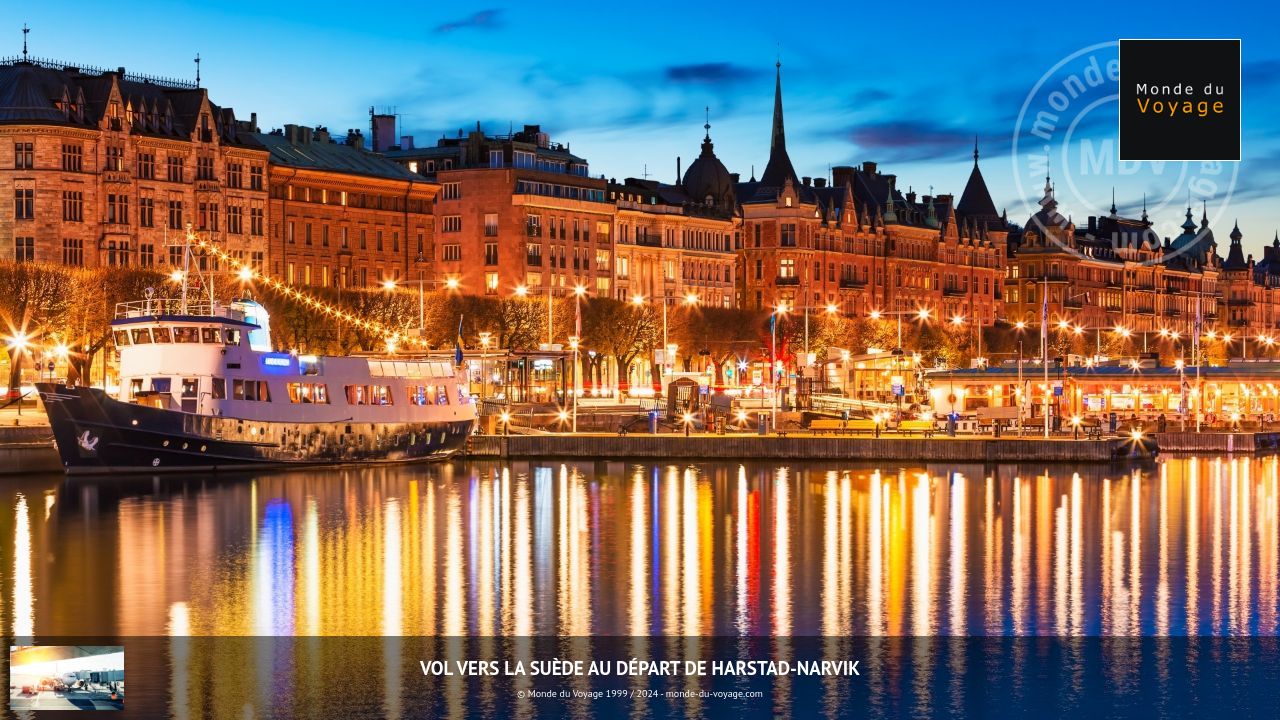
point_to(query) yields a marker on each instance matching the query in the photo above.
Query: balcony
(953, 292)
(649, 241)
(851, 283)
(1172, 312)
(1239, 302)
(1144, 311)
(534, 261)
(208, 186)
(116, 176)
(788, 280)
(533, 230)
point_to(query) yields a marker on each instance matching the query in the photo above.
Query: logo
(88, 442)
(1180, 100)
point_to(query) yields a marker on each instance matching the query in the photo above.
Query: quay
(795, 446)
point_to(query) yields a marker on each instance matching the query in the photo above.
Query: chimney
(841, 175)
(868, 167)
(120, 71)
(678, 175)
(355, 138)
(253, 121)
(384, 131)
(291, 132)
(406, 142)
(735, 177)
(819, 182)
(806, 180)
(1093, 225)
(321, 134)
(911, 196)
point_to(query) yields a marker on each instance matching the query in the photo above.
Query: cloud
(869, 96)
(710, 73)
(490, 19)
(907, 140)
(1261, 73)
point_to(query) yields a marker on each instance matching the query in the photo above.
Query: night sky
(626, 85)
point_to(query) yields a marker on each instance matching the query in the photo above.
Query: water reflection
(1187, 546)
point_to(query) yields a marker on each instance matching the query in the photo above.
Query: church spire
(975, 201)
(779, 168)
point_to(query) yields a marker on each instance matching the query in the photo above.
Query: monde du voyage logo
(1180, 100)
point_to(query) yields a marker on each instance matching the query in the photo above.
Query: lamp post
(578, 292)
(921, 314)
(773, 360)
(573, 343)
(485, 337)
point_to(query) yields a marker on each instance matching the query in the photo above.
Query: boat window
(186, 334)
(231, 336)
(162, 334)
(463, 398)
(141, 335)
(135, 387)
(122, 338)
(161, 384)
(442, 395)
(308, 393)
(418, 394)
(210, 335)
(253, 390)
(308, 365)
(368, 395)
(190, 387)
(219, 389)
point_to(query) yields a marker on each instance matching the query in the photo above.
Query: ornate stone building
(108, 168)
(862, 245)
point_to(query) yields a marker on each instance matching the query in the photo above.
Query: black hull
(97, 434)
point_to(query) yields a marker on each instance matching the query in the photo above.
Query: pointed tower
(975, 201)
(779, 168)
(1235, 256)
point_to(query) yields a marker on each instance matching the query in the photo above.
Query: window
(118, 208)
(369, 395)
(234, 220)
(452, 191)
(147, 166)
(141, 336)
(491, 225)
(118, 254)
(186, 334)
(452, 253)
(534, 254)
(251, 390)
(219, 388)
(24, 154)
(173, 168)
(24, 204)
(234, 174)
(308, 393)
(306, 233)
(72, 157)
(255, 177)
(24, 249)
(147, 212)
(175, 214)
(624, 267)
(491, 253)
(73, 251)
(787, 268)
(255, 221)
(72, 206)
(204, 167)
(788, 234)
(602, 260)
(495, 158)
(146, 255)
(452, 224)
(115, 158)
(491, 283)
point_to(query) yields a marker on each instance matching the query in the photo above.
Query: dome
(708, 177)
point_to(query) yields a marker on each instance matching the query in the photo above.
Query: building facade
(342, 216)
(109, 168)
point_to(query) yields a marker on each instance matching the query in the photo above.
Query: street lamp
(245, 274)
(773, 360)
(573, 343)
(485, 337)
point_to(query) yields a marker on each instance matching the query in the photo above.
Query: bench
(924, 427)
(842, 426)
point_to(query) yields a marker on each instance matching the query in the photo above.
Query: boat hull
(98, 434)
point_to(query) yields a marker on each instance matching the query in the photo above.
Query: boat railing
(174, 306)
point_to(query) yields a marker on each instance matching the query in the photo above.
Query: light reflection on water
(1187, 546)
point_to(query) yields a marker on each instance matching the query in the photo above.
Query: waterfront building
(107, 167)
(861, 244)
(342, 216)
(517, 214)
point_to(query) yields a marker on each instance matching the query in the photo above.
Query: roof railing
(53, 64)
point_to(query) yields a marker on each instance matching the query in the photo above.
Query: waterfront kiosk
(1247, 393)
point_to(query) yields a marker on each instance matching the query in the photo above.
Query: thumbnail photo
(66, 677)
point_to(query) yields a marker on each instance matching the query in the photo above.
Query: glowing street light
(388, 284)
(957, 320)
(522, 291)
(451, 283)
(1020, 325)
(245, 274)
(177, 276)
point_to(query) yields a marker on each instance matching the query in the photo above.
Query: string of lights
(247, 273)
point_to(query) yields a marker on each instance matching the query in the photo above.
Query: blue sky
(625, 85)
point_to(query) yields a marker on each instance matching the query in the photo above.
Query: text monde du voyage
(1180, 99)
(557, 667)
